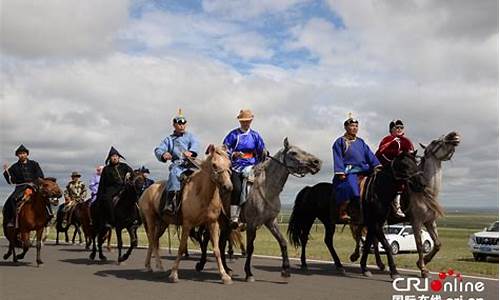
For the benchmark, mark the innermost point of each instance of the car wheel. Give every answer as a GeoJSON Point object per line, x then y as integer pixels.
{"type": "Point", "coordinates": [394, 248]}
{"type": "Point", "coordinates": [478, 256]}
{"type": "Point", "coordinates": [427, 247]}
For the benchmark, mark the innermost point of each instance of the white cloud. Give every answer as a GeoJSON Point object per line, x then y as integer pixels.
{"type": "Point", "coordinates": [247, 9]}
{"type": "Point", "coordinates": [55, 28]}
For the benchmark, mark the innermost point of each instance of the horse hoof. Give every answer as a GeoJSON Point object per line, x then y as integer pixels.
{"type": "Point", "coordinates": [198, 267]}
{"type": "Point", "coordinates": [285, 273]}
{"type": "Point", "coordinates": [304, 267]}
{"type": "Point", "coordinates": [341, 270]}
{"type": "Point", "coordinates": [250, 279]}
{"type": "Point", "coordinates": [92, 256]}
{"type": "Point", "coordinates": [381, 267]}
{"type": "Point", "coordinates": [39, 264]}
{"type": "Point", "coordinates": [227, 280]}
{"type": "Point", "coordinates": [367, 274]}
{"type": "Point", "coordinates": [103, 258]}
{"type": "Point", "coordinates": [354, 257]}
{"type": "Point", "coordinates": [5, 256]}
{"type": "Point", "coordinates": [425, 274]}
{"type": "Point", "coordinates": [173, 279]}
{"type": "Point", "coordinates": [395, 276]}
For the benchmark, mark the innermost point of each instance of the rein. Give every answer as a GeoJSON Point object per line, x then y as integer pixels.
{"type": "Point", "coordinates": [283, 163]}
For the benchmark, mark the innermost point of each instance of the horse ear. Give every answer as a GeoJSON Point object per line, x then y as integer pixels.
{"type": "Point", "coordinates": [286, 144]}
{"type": "Point", "coordinates": [224, 148]}
{"type": "Point", "coordinates": [422, 145]}
{"type": "Point", "coordinates": [210, 149]}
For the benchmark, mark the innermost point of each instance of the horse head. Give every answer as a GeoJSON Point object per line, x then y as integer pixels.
{"type": "Point", "coordinates": [298, 161]}
{"type": "Point", "coordinates": [48, 188]}
{"type": "Point", "coordinates": [443, 148]}
{"type": "Point", "coordinates": [219, 166]}
{"type": "Point", "coordinates": [405, 167]}
{"type": "Point", "coordinates": [135, 181]}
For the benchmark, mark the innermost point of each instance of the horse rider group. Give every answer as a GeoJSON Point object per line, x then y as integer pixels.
{"type": "Point", "coordinates": [352, 159]}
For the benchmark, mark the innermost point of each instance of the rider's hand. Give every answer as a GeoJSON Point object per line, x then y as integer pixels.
{"type": "Point", "coordinates": [167, 156]}
{"type": "Point", "coordinates": [5, 167]}
{"type": "Point", "coordinates": [341, 176]}
{"type": "Point", "coordinates": [187, 154]}
{"type": "Point", "coordinates": [237, 154]}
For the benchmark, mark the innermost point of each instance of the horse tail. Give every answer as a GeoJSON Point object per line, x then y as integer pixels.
{"type": "Point", "coordinates": [297, 218]}
{"type": "Point", "coordinates": [430, 200]}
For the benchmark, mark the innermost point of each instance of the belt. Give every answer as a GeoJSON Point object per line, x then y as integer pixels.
{"type": "Point", "coordinates": [247, 155]}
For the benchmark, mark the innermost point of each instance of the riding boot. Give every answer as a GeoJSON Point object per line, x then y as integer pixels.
{"type": "Point", "coordinates": [234, 215]}
{"type": "Point", "coordinates": [343, 216]}
{"type": "Point", "coordinates": [396, 206]}
{"type": "Point", "coordinates": [170, 203]}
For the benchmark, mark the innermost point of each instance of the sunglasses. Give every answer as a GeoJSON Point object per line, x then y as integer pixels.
{"type": "Point", "coordinates": [181, 122]}
{"type": "Point", "coordinates": [399, 127]}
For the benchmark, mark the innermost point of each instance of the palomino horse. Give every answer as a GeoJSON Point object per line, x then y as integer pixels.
{"type": "Point", "coordinates": [424, 208]}
{"type": "Point", "coordinates": [379, 190]}
{"type": "Point", "coordinates": [263, 203]}
{"type": "Point", "coordinates": [126, 217]}
{"type": "Point", "coordinates": [32, 217]}
{"type": "Point", "coordinates": [318, 202]}
{"type": "Point", "coordinates": [201, 205]}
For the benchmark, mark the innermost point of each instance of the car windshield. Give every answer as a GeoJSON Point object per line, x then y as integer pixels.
{"type": "Point", "coordinates": [392, 230]}
{"type": "Point", "coordinates": [493, 227]}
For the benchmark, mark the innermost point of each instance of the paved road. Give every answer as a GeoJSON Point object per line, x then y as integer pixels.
{"type": "Point", "coordinates": [68, 274]}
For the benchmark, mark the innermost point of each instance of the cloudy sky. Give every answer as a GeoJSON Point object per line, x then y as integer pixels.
{"type": "Point", "coordinates": [80, 76]}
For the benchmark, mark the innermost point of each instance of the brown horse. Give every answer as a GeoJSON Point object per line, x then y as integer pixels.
{"type": "Point", "coordinates": [82, 210]}
{"type": "Point", "coordinates": [201, 205]}
{"type": "Point", "coordinates": [32, 217]}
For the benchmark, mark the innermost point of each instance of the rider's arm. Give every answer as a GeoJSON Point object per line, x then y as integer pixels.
{"type": "Point", "coordinates": [260, 146]}
{"type": "Point", "coordinates": [6, 174]}
{"type": "Point", "coordinates": [194, 146]}
{"type": "Point", "coordinates": [230, 142]}
{"type": "Point", "coordinates": [338, 157]}
{"type": "Point", "coordinates": [165, 146]}
{"type": "Point", "coordinates": [37, 172]}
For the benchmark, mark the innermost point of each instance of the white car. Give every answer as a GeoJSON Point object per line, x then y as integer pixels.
{"type": "Point", "coordinates": [485, 243]}
{"type": "Point", "coordinates": [401, 238]}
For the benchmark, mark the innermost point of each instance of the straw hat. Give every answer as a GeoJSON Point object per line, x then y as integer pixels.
{"type": "Point", "coordinates": [245, 115]}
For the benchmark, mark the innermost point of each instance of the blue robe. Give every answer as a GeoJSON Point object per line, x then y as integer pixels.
{"type": "Point", "coordinates": [176, 145]}
{"type": "Point", "coordinates": [351, 159]}
{"type": "Point", "coordinates": [250, 143]}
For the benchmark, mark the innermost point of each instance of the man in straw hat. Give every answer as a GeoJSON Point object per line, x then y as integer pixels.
{"type": "Point", "coordinates": [351, 158]}
{"type": "Point", "coordinates": [113, 178]}
{"type": "Point", "coordinates": [75, 192]}
{"type": "Point", "coordinates": [246, 149]}
{"type": "Point", "coordinates": [175, 148]}
{"type": "Point", "coordinates": [22, 173]}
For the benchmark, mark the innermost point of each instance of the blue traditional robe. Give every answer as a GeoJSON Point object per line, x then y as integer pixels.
{"type": "Point", "coordinates": [249, 142]}
{"type": "Point", "coordinates": [351, 157]}
{"type": "Point", "coordinates": [176, 144]}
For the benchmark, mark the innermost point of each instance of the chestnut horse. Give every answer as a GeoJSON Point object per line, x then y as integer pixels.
{"type": "Point", "coordinates": [32, 217]}
{"type": "Point", "coordinates": [201, 205]}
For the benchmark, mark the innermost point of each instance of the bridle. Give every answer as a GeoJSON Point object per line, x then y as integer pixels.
{"type": "Point", "coordinates": [287, 167]}
{"type": "Point", "coordinates": [435, 148]}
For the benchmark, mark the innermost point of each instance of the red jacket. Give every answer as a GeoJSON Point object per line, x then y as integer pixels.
{"type": "Point", "coordinates": [391, 146]}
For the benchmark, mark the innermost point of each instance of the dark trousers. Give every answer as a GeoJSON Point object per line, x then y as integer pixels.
{"type": "Point", "coordinates": [9, 208]}
{"type": "Point", "coordinates": [105, 203]}
{"type": "Point", "coordinates": [237, 181]}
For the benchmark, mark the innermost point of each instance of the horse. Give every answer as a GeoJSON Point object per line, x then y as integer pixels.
{"type": "Point", "coordinates": [32, 217]}
{"type": "Point", "coordinates": [263, 203]}
{"type": "Point", "coordinates": [60, 227]}
{"type": "Point", "coordinates": [83, 211]}
{"type": "Point", "coordinates": [423, 208]}
{"type": "Point", "coordinates": [318, 202]}
{"type": "Point", "coordinates": [378, 191]}
{"type": "Point", "coordinates": [201, 204]}
{"type": "Point", "coordinates": [126, 217]}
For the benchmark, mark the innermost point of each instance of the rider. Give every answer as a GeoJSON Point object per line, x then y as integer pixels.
{"type": "Point", "coordinates": [390, 147]}
{"type": "Point", "coordinates": [246, 149]}
{"type": "Point", "coordinates": [75, 192]}
{"type": "Point", "coordinates": [351, 158]}
{"type": "Point", "coordinates": [22, 173]}
{"type": "Point", "coordinates": [175, 147]}
{"type": "Point", "coordinates": [113, 178]}
{"type": "Point", "coordinates": [94, 183]}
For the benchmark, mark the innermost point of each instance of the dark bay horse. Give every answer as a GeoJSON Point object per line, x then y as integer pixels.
{"type": "Point", "coordinates": [379, 190]}
{"type": "Point", "coordinates": [32, 217]}
{"type": "Point", "coordinates": [318, 202]}
{"type": "Point", "coordinates": [126, 217]}
{"type": "Point", "coordinates": [62, 228]}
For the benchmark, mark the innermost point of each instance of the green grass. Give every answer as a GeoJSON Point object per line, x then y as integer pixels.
{"type": "Point", "coordinates": [454, 231]}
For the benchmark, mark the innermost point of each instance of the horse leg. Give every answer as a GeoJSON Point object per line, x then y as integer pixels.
{"type": "Point", "coordinates": [242, 245]}
{"type": "Point", "coordinates": [57, 236]}
{"type": "Point", "coordinates": [93, 241]}
{"type": "Point", "coordinates": [378, 259]}
{"type": "Point", "coordinates": [223, 240]}
{"type": "Point", "coordinates": [74, 235]}
{"type": "Point", "coordinates": [285, 268]}
{"type": "Point", "coordinates": [214, 238]}
{"type": "Point", "coordinates": [366, 251]}
{"type": "Point", "coordinates": [230, 250]}
{"type": "Point", "coordinates": [204, 239]}
{"type": "Point", "coordinates": [432, 229]}
{"type": "Point", "coordinates": [329, 232]}
{"type": "Point", "coordinates": [108, 243]}
{"type": "Point", "coordinates": [251, 233]}
{"type": "Point", "coordinates": [304, 238]}
{"type": "Point", "coordinates": [119, 242]}
{"type": "Point", "coordinates": [132, 232]}
{"type": "Point", "coordinates": [39, 234]}
{"type": "Point", "coordinates": [26, 245]}
{"type": "Point", "coordinates": [100, 240]}
{"type": "Point", "coordinates": [390, 258]}
{"type": "Point", "coordinates": [418, 242]}
{"type": "Point", "coordinates": [66, 234]}
{"type": "Point", "coordinates": [158, 232]}
{"type": "Point", "coordinates": [174, 277]}
{"type": "Point", "coordinates": [357, 233]}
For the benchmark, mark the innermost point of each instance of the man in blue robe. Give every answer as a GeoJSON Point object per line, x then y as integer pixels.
{"type": "Point", "coordinates": [175, 147]}
{"type": "Point", "coordinates": [351, 158]}
{"type": "Point", "coordinates": [246, 149]}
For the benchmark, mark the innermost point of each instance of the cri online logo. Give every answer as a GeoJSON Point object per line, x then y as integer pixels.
{"type": "Point", "coordinates": [439, 285]}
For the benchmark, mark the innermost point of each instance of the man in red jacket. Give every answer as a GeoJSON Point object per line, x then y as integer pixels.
{"type": "Point", "coordinates": [390, 147]}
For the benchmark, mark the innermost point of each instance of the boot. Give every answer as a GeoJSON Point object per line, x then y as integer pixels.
{"type": "Point", "coordinates": [234, 214]}
{"type": "Point", "coordinates": [169, 206]}
{"type": "Point", "coordinates": [396, 207]}
{"type": "Point", "coordinates": [343, 216]}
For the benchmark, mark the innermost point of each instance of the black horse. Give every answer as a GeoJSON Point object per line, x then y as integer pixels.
{"type": "Point", "coordinates": [64, 228]}
{"type": "Point", "coordinates": [318, 202]}
{"type": "Point", "coordinates": [126, 217]}
{"type": "Point", "coordinates": [379, 191]}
